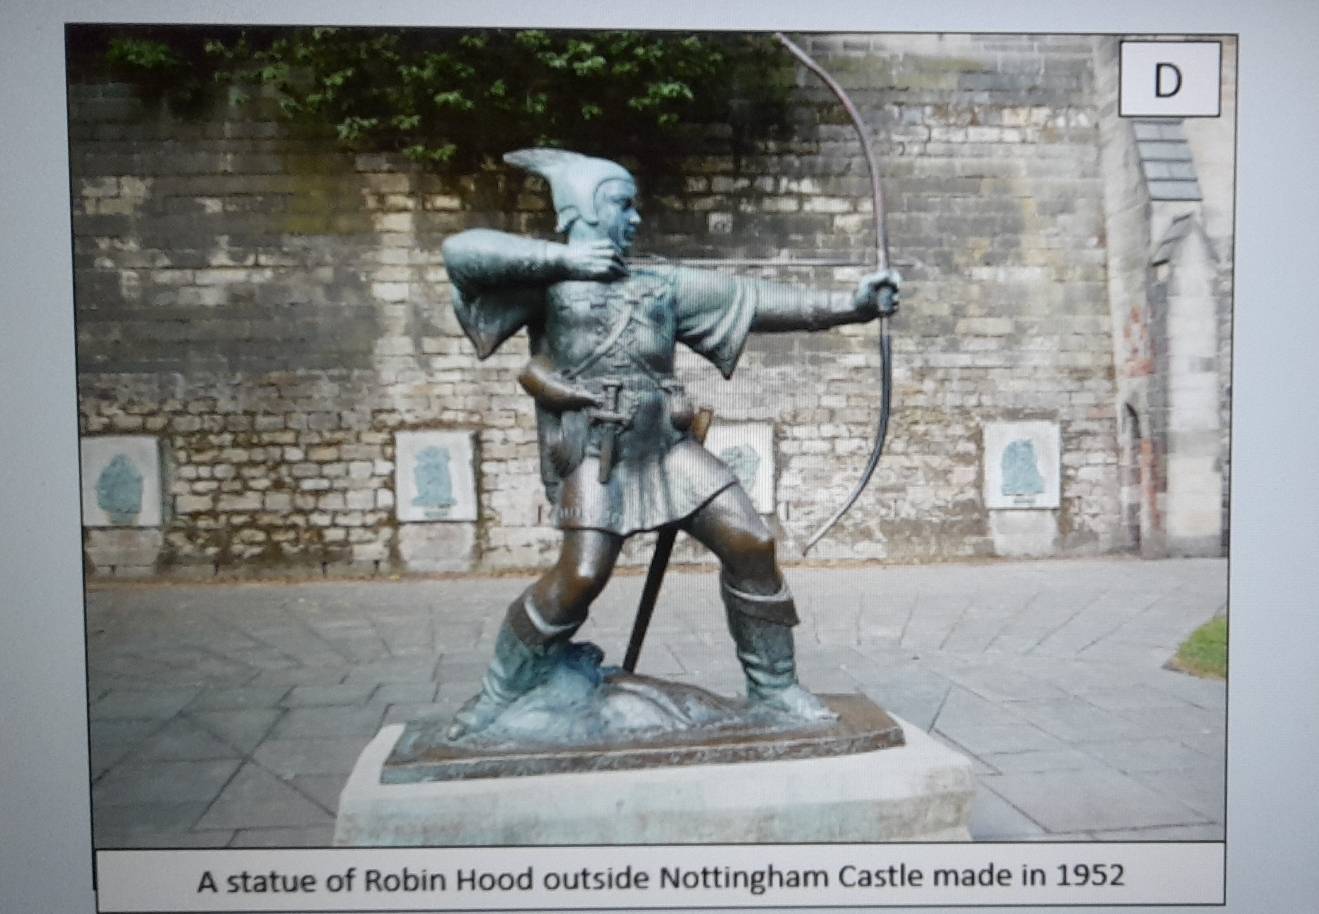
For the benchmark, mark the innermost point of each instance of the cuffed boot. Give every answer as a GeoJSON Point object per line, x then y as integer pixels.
{"type": "Point", "coordinates": [761, 625]}
{"type": "Point", "coordinates": [517, 668]}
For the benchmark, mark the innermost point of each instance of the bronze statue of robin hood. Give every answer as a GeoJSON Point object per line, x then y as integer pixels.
{"type": "Point", "coordinates": [616, 452]}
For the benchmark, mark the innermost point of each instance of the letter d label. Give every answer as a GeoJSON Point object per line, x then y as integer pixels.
{"type": "Point", "coordinates": [1167, 79]}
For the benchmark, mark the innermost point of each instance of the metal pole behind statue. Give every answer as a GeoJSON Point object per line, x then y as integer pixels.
{"type": "Point", "coordinates": [659, 562]}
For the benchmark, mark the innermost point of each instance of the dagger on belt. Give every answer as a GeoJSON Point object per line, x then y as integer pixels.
{"type": "Point", "coordinates": [612, 421]}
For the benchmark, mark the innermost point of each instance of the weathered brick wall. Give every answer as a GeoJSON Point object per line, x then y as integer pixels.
{"type": "Point", "coordinates": [275, 310]}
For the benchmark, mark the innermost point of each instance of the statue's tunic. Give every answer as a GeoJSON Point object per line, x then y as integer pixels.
{"type": "Point", "coordinates": [624, 332]}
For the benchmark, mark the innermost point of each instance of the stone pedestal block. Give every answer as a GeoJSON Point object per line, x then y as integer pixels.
{"type": "Point", "coordinates": [918, 792]}
{"type": "Point", "coordinates": [123, 551]}
{"type": "Point", "coordinates": [437, 547]}
{"type": "Point", "coordinates": [1024, 534]}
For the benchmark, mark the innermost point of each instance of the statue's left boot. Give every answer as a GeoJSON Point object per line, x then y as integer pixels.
{"type": "Point", "coordinates": [527, 649]}
{"type": "Point", "coordinates": [761, 625]}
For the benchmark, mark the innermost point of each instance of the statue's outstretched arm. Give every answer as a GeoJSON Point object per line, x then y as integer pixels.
{"type": "Point", "coordinates": [717, 310]}
{"type": "Point", "coordinates": [780, 307]}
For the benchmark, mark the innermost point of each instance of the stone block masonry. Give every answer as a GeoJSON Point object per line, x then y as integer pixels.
{"type": "Point", "coordinates": [1170, 262]}
{"type": "Point", "coordinates": [276, 311]}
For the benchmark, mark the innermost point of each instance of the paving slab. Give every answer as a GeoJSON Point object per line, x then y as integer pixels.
{"type": "Point", "coordinates": [160, 819]}
{"type": "Point", "coordinates": [290, 757]}
{"type": "Point", "coordinates": [1150, 755]}
{"type": "Point", "coordinates": [180, 739]}
{"type": "Point", "coordinates": [155, 840]}
{"type": "Point", "coordinates": [164, 782]}
{"type": "Point", "coordinates": [314, 836]}
{"type": "Point", "coordinates": [298, 675]}
{"type": "Point", "coordinates": [242, 729]}
{"type": "Point", "coordinates": [257, 799]}
{"type": "Point", "coordinates": [1040, 760]}
{"type": "Point", "coordinates": [1200, 788]}
{"type": "Point", "coordinates": [405, 670]}
{"type": "Point", "coordinates": [918, 702]}
{"type": "Point", "coordinates": [997, 680]}
{"type": "Point", "coordinates": [308, 696]}
{"type": "Point", "coordinates": [111, 740]}
{"type": "Point", "coordinates": [999, 739]}
{"type": "Point", "coordinates": [324, 722]}
{"type": "Point", "coordinates": [238, 699]}
{"type": "Point", "coordinates": [431, 710]}
{"type": "Point", "coordinates": [995, 819]}
{"type": "Point", "coordinates": [322, 788]}
{"type": "Point", "coordinates": [158, 704]}
{"type": "Point", "coordinates": [1212, 745]}
{"type": "Point", "coordinates": [1203, 693]}
{"type": "Point", "coordinates": [1076, 720]}
{"type": "Point", "coordinates": [963, 708]}
{"type": "Point", "coordinates": [1132, 698]}
{"type": "Point", "coordinates": [1187, 719]}
{"type": "Point", "coordinates": [1211, 832]}
{"type": "Point", "coordinates": [392, 693]}
{"type": "Point", "coordinates": [1090, 799]}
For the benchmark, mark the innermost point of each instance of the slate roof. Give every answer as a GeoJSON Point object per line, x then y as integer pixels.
{"type": "Point", "coordinates": [1165, 159]}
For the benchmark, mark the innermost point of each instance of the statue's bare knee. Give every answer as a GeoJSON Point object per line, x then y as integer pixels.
{"type": "Point", "coordinates": [730, 527]}
{"type": "Point", "coordinates": [578, 585]}
{"type": "Point", "coordinates": [564, 594]}
{"type": "Point", "coordinates": [752, 563]}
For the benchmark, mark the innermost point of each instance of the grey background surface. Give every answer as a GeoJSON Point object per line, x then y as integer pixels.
{"type": "Point", "coordinates": [1273, 832]}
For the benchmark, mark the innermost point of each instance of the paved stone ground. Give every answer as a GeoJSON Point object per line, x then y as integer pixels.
{"type": "Point", "coordinates": [230, 715]}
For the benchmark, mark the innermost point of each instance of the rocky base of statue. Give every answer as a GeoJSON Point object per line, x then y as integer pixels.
{"type": "Point", "coordinates": [588, 717]}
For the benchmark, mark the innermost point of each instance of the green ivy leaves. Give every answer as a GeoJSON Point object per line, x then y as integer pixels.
{"type": "Point", "coordinates": [459, 99]}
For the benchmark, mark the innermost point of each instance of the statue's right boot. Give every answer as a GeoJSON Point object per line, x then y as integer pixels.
{"type": "Point", "coordinates": [761, 626]}
{"type": "Point", "coordinates": [517, 667]}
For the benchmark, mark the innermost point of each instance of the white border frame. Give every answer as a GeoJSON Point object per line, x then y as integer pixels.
{"type": "Point", "coordinates": [1273, 832]}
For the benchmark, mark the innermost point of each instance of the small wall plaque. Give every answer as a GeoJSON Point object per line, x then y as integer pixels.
{"type": "Point", "coordinates": [1022, 466]}
{"type": "Point", "coordinates": [121, 481]}
{"type": "Point", "coordinates": [434, 476]}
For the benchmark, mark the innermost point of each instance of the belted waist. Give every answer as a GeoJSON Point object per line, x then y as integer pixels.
{"type": "Point", "coordinates": [630, 380]}
{"type": "Point", "coordinates": [634, 396]}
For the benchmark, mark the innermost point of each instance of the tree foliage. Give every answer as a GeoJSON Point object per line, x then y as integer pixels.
{"type": "Point", "coordinates": [455, 100]}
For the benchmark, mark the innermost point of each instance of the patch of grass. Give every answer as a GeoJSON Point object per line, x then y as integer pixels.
{"type": "Point", "coordinates": [1205, 652]}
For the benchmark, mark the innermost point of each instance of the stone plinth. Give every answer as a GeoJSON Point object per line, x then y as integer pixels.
{"type": "Point", "coordinates": [918, 792]}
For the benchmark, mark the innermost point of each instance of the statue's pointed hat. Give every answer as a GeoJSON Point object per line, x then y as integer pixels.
{"type": "Point", "coordinates": [573, 179]}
